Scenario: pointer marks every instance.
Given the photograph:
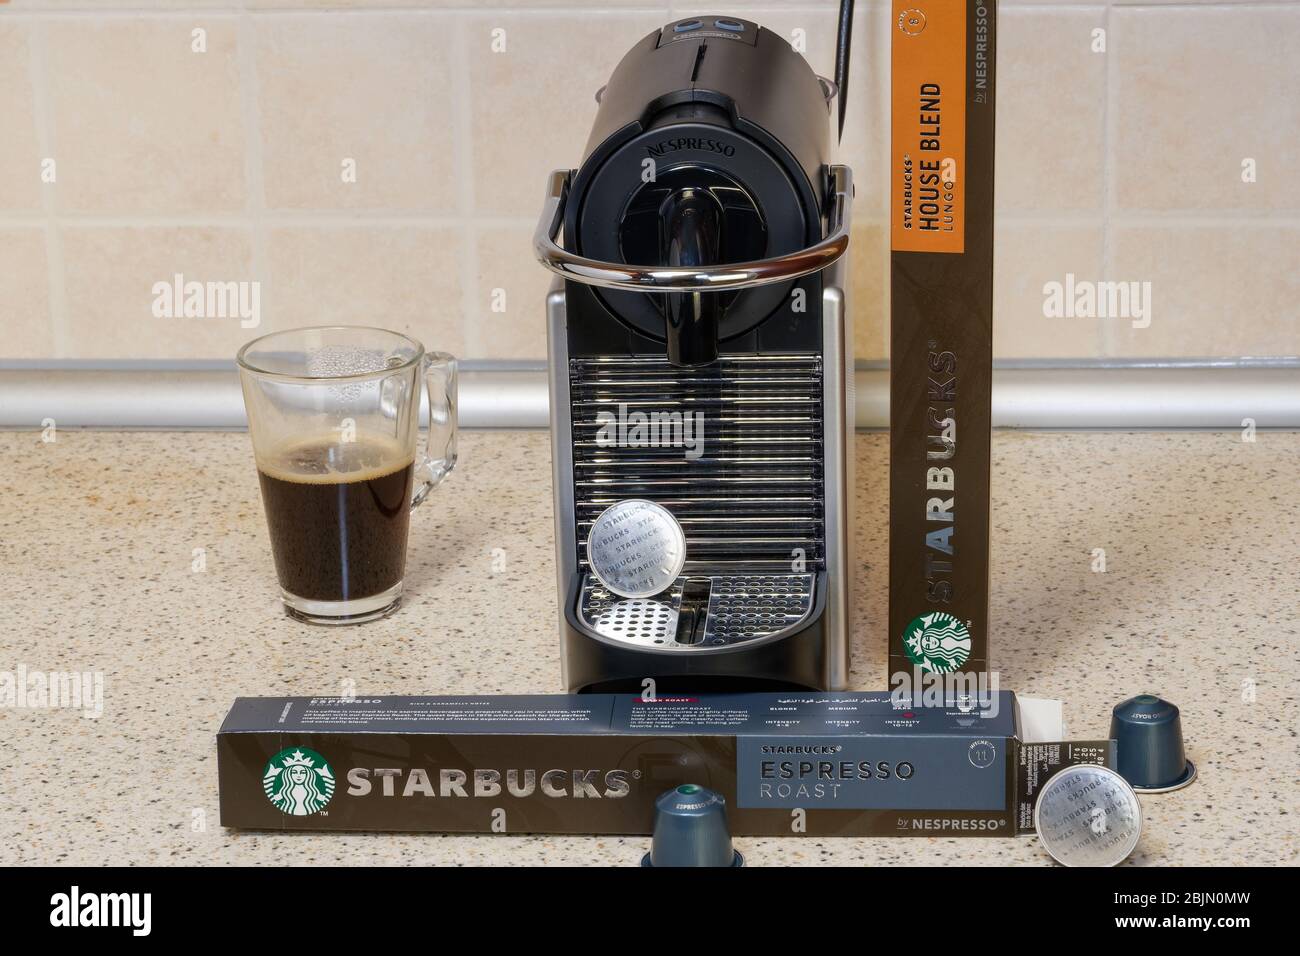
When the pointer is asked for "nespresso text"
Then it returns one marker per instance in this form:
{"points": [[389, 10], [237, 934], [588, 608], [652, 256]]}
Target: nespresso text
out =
{"points": [[981, 53], [690, 142]]}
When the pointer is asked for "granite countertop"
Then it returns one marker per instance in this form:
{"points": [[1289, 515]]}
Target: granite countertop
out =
{"points": [[99, 571]]}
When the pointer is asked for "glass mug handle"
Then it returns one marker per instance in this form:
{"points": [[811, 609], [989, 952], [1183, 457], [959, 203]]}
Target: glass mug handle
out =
{"points": [[440, 448]]}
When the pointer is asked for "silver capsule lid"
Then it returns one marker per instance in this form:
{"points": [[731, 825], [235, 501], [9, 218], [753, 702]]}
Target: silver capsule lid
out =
{"points": [[1088, 815], [636, 548]]}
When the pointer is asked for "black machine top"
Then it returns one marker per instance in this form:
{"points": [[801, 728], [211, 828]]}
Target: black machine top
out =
{"points": [[709, 146], [768, 92]]}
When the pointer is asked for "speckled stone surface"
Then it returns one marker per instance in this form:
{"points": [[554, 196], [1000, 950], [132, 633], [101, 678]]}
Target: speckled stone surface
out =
{"points": [[98, 533]]}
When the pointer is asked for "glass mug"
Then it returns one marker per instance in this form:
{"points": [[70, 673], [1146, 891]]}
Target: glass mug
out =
{"points": [[334, 415]]}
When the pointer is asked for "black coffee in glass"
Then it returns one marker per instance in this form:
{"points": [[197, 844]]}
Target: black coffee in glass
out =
{"points": [[334, 417], [338, 516]]}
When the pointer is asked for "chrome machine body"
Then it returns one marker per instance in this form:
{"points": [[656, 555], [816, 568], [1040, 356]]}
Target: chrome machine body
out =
{"points": [[701, 357]]}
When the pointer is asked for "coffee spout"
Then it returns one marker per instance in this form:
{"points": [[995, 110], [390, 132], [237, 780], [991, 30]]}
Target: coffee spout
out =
{"points": [[690, 222]]}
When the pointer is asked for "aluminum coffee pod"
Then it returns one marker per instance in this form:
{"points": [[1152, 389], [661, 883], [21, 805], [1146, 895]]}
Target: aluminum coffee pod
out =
{"points": [[691, 830], [1148, 735], [636, 548], [1088, 815]]}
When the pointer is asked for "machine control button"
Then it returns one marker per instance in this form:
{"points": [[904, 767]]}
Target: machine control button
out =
{"points": [[731, 26], [687, 25]]}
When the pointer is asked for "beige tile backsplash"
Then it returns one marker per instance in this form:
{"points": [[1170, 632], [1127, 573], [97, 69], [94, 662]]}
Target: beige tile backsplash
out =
{"points": [[508, 295], [401, 277], [1185, 144], [351, 115], [25, 293], [137, 123], [1050, 120], [869, 288], [382, 162], [1028, 254], [1217, 288], [530, 107], [109, 274], [20, 191]]}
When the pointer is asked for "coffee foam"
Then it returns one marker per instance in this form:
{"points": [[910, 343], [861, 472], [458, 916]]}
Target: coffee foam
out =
{"points": [[327, 461]]}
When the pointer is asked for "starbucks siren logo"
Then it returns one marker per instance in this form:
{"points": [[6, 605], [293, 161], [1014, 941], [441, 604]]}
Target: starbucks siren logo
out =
{"points": [[937, 642], [298, 781]]}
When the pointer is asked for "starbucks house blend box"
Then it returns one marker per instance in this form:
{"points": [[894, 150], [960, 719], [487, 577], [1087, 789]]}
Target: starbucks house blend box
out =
{"points": [[941, 285], [815, 764]]}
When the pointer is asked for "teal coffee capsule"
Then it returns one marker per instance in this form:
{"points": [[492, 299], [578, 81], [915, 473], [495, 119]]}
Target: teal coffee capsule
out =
{"points": [[691, 830], [1148, 735]]}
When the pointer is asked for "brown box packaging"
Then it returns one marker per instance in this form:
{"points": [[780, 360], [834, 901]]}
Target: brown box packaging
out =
{"points": [[941, 278], [798, 764], [802, 764]]}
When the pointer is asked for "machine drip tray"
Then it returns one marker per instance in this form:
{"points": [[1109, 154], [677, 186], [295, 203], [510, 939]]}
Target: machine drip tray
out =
{"points": [[699, 611]]}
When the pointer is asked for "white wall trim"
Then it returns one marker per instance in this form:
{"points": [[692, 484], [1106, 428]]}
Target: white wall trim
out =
{"points": [[1036, 395]]}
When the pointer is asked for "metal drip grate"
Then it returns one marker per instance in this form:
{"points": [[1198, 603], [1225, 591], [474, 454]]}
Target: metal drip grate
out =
{"points": [[739, 607], [746, 606], [749, 495], [647, 621]]}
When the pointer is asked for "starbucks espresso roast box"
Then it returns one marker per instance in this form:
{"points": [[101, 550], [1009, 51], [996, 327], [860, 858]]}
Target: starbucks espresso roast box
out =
{"points": [[941, 328], [852, 764]]}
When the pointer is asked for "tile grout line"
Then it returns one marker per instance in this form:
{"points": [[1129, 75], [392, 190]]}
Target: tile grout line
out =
{"points": [[462, 168], [339, 219], [673, 9], [255, 198], [324, 218], [55, 267], [1105, 343]]}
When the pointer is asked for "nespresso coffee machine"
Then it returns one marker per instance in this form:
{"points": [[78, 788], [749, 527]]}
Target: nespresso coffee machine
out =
{"points": [[701, 358]]}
